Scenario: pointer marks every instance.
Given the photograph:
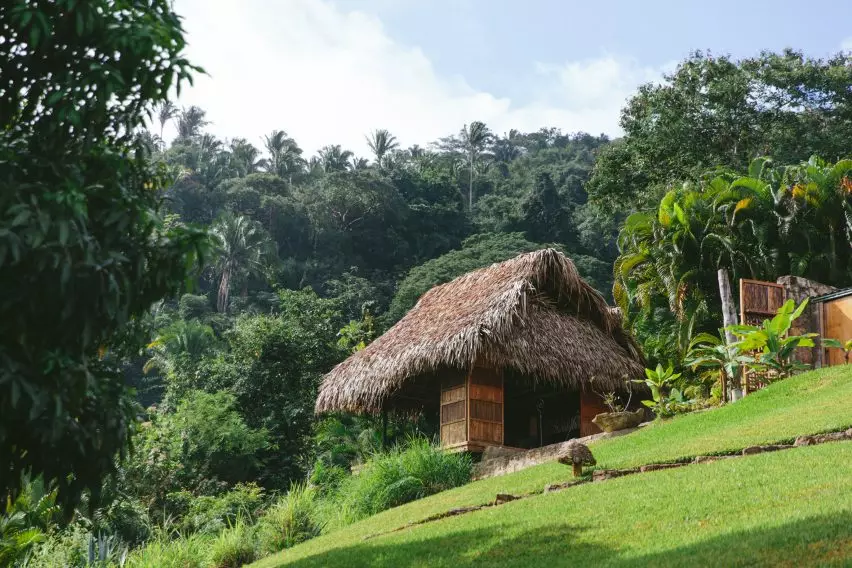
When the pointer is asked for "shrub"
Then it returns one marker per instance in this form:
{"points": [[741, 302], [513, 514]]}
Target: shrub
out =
{"points": [[212, 514], [327, 478], [401, 475], [293, 519], [186, 552], [234, 547], [64, 548], [203, 446]]}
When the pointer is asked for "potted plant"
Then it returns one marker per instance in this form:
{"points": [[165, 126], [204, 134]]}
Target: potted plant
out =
{"points": [[618, 418]]}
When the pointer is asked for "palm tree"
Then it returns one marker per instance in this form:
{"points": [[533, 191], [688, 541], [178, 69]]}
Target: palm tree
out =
{"points": [[245, 158], [334, 159], [245, 250], [166, 111], [190, 122], [211, 162], [381, 142], [475, 139], [358, 164], [472, 142], [182, 339], [285, 156]]}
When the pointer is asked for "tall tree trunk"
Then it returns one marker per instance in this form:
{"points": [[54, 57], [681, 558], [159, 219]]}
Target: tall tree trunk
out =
{"points": [[729, 313], [470, 189], [224, 291], [729, 308]]}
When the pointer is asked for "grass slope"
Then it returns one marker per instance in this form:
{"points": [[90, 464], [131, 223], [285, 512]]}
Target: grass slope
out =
{"points": [[724, 496]]}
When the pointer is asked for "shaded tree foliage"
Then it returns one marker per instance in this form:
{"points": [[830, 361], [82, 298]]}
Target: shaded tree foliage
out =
{"points": [[83, 249]]}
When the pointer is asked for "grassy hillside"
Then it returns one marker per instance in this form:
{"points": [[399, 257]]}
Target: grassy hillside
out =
{"points": [[791, 506]]}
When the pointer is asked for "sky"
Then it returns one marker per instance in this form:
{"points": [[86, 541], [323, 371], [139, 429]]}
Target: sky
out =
{"points": [[331, 71]]}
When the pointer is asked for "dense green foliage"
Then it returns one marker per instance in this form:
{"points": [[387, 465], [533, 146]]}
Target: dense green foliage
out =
{"points": [[769, 222], [297, 261], [714, 111], [83, 247]]}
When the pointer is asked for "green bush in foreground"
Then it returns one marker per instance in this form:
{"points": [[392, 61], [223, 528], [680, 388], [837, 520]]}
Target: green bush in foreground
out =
{"points": [[234, 546], [293, 519], [186, 552], [404, 474]]}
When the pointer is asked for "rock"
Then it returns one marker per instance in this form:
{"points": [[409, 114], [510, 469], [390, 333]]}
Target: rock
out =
{"points": [[659, 466], [711, 459], [604, 474], [504, 498], [614, 421], [552, 487], [823, 438], [751, 450]]}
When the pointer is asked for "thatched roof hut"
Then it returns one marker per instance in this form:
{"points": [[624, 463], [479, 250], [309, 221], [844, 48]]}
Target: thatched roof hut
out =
{"points": [[532, 314]]}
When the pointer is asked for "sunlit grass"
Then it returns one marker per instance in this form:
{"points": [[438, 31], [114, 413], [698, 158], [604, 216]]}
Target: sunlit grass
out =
{"points": [[809, 403]]}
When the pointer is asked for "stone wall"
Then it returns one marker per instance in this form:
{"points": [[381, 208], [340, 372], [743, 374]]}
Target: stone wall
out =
{"points": [[797, 288]]}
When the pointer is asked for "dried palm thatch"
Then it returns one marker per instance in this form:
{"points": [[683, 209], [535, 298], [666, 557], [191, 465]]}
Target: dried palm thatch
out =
{"points": [[532, 313]]}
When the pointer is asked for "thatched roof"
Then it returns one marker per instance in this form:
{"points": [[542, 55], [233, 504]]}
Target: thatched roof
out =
{"points": [[532, 313]]}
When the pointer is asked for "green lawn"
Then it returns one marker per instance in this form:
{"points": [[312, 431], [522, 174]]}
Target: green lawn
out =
{"points": [[712, 506], [783, 509]]}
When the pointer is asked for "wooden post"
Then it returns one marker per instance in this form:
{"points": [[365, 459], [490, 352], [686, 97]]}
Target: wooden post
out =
{"points": [[384, 429]]}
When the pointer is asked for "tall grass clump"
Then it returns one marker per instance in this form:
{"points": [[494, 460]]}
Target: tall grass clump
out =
{"points": [[234, 546], [191, 551], [403, 474], [292, 519]]}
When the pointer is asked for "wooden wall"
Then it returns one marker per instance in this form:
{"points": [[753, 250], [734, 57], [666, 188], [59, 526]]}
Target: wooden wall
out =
{"points": [[453, 409], [590, 406], [837, 324]]}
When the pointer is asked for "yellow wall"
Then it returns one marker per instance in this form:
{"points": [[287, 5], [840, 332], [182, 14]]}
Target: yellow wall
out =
{"points": [[837, 318]]}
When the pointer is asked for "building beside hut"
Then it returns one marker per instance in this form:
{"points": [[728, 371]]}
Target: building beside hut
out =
{"points": [[503, 356], [829, 312]]}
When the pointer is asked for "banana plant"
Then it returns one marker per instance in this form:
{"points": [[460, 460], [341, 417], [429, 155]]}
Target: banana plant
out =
{"points": [[773, 347], [666, 399], [713, 354], [837, 344]]}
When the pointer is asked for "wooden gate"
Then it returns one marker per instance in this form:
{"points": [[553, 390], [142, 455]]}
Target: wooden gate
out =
{"points": [[759, 301]]}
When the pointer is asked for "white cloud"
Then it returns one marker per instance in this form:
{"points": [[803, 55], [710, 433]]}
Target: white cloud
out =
{"points": [[327, 75]]}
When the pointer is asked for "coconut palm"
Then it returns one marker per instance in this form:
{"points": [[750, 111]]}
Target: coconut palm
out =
{"points": [[166, 111], [381, 142], [245, 249], [334, 159], [245, 158], [189, 340], [358, 164], [475, 139], [190, 122], [285, 156]]}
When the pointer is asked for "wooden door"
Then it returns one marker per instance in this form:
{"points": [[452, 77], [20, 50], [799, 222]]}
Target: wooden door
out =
{"points": [[837, 318], [486, 406]]}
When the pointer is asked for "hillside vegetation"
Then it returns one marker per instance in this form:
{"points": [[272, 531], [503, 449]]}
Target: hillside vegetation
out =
{"points": [[630, 521]]}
